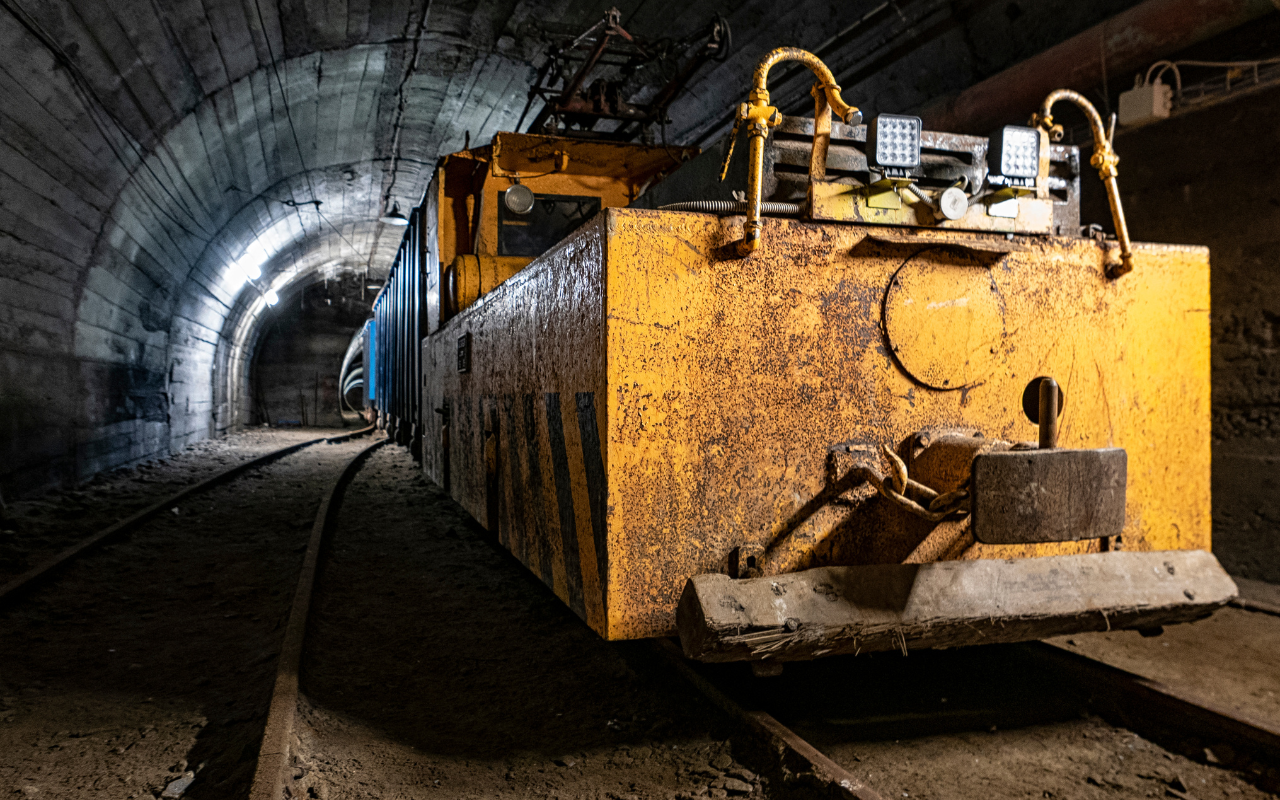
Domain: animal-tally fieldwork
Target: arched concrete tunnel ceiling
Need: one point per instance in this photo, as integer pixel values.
(154, 156)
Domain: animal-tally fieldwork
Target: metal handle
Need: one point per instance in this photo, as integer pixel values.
(1049, 397)
(759, 117)
(1104, 160)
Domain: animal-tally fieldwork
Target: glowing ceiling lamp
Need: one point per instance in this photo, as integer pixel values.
(272, 297)
(394, 217)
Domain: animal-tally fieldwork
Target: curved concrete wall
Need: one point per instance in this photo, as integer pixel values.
(148, 151)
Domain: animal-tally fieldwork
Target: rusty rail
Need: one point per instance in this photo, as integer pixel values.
(346, 437)
(1260, 606)
(801, 767)
(1170, 717)
(46, 569)
(273, 754)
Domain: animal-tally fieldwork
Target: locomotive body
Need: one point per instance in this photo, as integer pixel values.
(817, 443)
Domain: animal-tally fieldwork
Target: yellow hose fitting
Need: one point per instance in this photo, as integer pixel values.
(763, 116)
(1104, 160)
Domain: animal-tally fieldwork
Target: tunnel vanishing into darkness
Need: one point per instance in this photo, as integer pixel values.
(166, 169)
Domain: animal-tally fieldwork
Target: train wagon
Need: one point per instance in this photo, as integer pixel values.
(830, 386)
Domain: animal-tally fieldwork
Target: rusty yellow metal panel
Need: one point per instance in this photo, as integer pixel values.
(521, 431)
(735, 382)
(641, 401)
(468, 188)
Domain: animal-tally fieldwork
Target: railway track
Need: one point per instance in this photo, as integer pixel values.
(803, 730)
(831, 728)
(14, 588)
(273, 753)
(817, 728)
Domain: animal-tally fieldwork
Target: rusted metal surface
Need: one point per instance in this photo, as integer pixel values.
(847, 610)
(1026, 496)
(470, 277)
(526, 426)
(1129, 41)
(1048, 415)
(788, 162)
(607, 44)
(1104, 159)
(757, 117)
(461, 209)
(656, 403)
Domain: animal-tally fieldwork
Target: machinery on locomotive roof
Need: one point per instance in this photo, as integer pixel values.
(834, 388)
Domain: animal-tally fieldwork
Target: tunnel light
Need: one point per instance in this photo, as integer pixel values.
(518, 199)
(893, 144)
(1013, 156)
(272, 297)
(394, 217)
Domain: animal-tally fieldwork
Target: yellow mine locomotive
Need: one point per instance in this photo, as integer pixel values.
(827, 387)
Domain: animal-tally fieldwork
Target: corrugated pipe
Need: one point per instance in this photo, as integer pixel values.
(732, 207)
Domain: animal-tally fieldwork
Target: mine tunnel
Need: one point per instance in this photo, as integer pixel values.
(433, 399)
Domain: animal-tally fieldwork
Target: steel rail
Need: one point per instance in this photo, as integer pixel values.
(273, 754)
(46, 569)
(801, 767)
(1260, 606)
(346, 437)
(1156, 711)
(1163, 713)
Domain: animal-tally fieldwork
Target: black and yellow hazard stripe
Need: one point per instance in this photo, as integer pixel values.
(538, 474)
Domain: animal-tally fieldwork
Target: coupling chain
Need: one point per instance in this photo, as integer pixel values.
(894, 487)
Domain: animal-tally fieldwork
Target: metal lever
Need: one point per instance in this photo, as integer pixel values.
(1048, 413)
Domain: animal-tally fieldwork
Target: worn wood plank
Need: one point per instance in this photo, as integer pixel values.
(834, 610)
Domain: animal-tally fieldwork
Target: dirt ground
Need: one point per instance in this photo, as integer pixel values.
(1082, 759)
(439, 667)
(153, 657)
(979, 722)
(1193, 658)
(32, 530)
(481, 684)
(436, 666)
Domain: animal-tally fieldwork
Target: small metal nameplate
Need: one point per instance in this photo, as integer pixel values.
(464, 352)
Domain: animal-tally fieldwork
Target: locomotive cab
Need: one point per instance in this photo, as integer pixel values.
(828, 387)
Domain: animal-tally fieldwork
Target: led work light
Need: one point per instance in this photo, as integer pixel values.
(1013, 157)
(893, 144)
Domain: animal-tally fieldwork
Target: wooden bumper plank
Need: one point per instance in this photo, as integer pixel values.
(833, 610)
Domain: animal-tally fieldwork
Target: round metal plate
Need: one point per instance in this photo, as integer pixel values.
(944, 321)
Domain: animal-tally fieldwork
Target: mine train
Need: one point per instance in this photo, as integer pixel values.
(830, 386)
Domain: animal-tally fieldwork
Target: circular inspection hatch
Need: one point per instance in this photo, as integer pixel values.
(944, 320)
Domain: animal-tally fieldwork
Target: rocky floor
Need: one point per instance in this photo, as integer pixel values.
(153, 657)
(34, 529)
(1191, 659)
(479, 683)
(436, 666)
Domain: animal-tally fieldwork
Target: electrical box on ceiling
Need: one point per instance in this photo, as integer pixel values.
(1143, 104)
